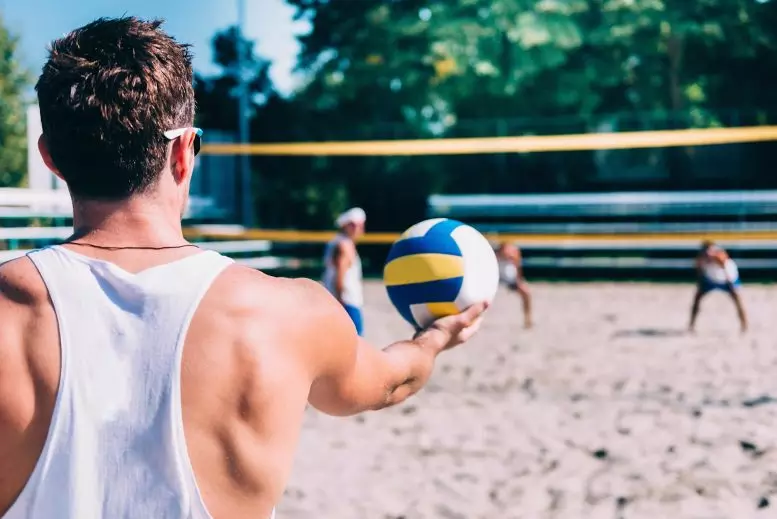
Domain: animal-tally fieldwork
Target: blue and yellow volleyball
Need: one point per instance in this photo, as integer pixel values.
(439, 267)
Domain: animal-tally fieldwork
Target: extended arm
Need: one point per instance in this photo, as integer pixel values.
(367, 378)
(353, 376)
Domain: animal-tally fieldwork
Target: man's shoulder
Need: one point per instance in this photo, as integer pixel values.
(21, 284)
(294, 315)
(23, 299)
(254, 293)
(246, 280)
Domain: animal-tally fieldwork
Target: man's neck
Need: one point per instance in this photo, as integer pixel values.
(135, 222)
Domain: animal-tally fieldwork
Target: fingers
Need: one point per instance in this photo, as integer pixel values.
(468, 332)
(473, 312)
(474, 326)
(460, 327)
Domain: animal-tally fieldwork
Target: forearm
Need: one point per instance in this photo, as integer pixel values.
(369, 378)
(410, 365)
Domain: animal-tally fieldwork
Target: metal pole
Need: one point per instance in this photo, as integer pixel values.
(247, 209)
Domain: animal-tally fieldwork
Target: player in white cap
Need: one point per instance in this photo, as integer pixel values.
(343, 266)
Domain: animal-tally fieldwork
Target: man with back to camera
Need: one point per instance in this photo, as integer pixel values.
(715, 270)
(511, 275)
(343, 266)
(139, 375)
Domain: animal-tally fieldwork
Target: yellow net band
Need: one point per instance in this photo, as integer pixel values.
(523, 144)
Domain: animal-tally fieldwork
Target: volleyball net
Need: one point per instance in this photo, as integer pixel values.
(302, 185)
(626, 200)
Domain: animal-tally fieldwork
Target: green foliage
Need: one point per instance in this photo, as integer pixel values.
(533, 58)
(430, 68)
(217, 97)
(13, 128)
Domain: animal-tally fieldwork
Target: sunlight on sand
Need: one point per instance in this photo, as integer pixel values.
(606, 409)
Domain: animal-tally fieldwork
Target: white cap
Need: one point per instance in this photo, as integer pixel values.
(353, 215)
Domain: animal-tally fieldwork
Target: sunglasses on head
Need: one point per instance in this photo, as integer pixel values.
(171, 135)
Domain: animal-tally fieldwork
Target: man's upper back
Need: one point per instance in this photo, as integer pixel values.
(119, 411)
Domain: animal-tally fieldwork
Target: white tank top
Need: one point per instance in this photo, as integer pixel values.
(352, 281)
(116, 447)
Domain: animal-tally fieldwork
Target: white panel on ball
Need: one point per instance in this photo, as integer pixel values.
(481, 269)
(421, 228)
(421, 313)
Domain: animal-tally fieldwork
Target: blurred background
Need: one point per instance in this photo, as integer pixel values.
(301, 72)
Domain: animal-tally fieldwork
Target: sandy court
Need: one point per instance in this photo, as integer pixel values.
(607, 409)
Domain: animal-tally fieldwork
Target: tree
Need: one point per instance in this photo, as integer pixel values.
(530, 58)
(486, 67)
(289, 192)
(458, 68)
(14, 79)
(217, 97)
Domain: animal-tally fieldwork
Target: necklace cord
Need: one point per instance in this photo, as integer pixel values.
(105, 247)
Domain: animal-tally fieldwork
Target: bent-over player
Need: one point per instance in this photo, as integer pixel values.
(715, 270)
(511, 275)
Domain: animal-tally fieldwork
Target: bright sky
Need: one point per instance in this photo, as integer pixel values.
(269, 22)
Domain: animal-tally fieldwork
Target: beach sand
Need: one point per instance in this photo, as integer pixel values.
(607, 409)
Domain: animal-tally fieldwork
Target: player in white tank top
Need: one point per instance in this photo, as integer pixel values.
(140, 377)
(343, 266)
(715, 270)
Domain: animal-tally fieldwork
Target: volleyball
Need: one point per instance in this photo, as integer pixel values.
(439, 267)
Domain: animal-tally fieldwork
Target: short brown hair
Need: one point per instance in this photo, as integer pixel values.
(107, 93)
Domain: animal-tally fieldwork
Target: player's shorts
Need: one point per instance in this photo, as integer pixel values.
(356, 316)
(511, 285)
(706, 285)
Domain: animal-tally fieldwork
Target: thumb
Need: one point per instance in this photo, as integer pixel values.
(472, 312)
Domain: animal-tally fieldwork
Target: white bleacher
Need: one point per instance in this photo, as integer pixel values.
(55, 203)
(632, 262)
(35, 202)
(629, 204)
(29, 204)
(656, 231)
(35, 233)
(644, 245)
